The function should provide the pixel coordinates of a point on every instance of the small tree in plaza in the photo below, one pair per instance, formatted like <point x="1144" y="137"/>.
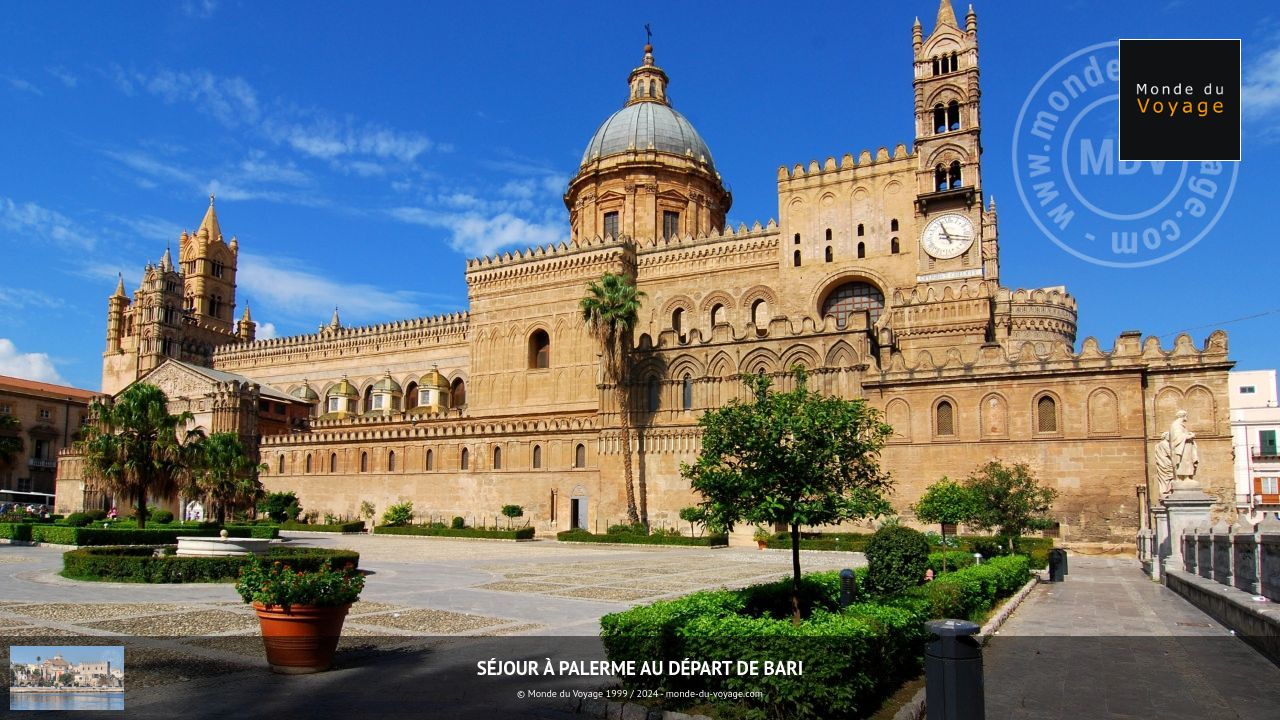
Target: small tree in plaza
<point x="280" y="506"/>
<point x="946" y="502"/>
<point x="227" y="474"/>
<point x="694" y="516"/>
<point x="511" y="512"/>
<point x="1009" y="499"/>
<point x="136" y="448"/>
<point x="795" y="458"/>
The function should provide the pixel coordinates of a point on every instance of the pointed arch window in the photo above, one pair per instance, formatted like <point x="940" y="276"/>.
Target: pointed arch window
<point x="429" y="460"/>
<point x="537" y="457"/>
<point x="539" y="350"/>
<point x="411" y="396"/>
<point x="497" y="458"/>
<point x="797" y="239"/>
<point x="464" y="462"/>
<point x="944" y="419"/>
<point x="862" y="250"/>
<point x="760" y="313"/>
<point x="939" y="119"/>
<point x="953" y="115"/>
<point x="1046" y="414"/>
<point x="953" y="175"/>
<point x="458" y="393"/>
<point x="654" y="393"/>
<point x="280" y="466"/>
<point x="940" y="178"/>
<point x="686" y="392"/>
<point x="894" y="247"/>
<point x="368" y="399"/>
<point x="829" y="255"/>
<point x="391" y="461"/>
<point x="333" y="462"/>
<point x="580" y="456"/>
<point x="893" y="225"/>
<point x="828" y="234"/>
<point x="364" y="462"/>
<point x="308" y="462"/>
<point x="677" y="320"/>
<point x="795" y="259"/>
<point x="861" y="230"/>
<point x="936" y="66"/>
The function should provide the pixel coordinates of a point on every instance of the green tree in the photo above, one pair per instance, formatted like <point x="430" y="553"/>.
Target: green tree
<point x="136" y="447"/>
<point x="10" y="440"/>
<point x="1009" y="499"/>
<point x="227" y="474"/>
<point x="511" y="512"/>
<point x="796" y="458"/>
<point x="694" y="516"/>
<point x="281" y="506"/>
<point x="946" y="502"/>
<point x="611" y="310"/>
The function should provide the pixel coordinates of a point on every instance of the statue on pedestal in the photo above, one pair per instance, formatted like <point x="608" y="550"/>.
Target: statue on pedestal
<point x="1164" y="466"/>
<point x="1182" y="448"/>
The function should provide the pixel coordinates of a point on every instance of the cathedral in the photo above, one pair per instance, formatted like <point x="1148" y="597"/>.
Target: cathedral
<point x="881" y="276"/>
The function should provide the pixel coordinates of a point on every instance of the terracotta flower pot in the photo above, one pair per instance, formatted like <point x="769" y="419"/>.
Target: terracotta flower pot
<point x="302" y="640"/>
<point x="763" y="544"/>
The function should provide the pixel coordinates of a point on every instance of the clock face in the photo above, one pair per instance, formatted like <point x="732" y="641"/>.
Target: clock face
<point x="947" y="236"/>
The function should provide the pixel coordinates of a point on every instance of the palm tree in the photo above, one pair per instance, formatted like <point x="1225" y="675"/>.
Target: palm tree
<point x="133" y="446"/>
<point x="10" y="440"/>
<point x="611" y="310"/>
<point x="227" y="474"/>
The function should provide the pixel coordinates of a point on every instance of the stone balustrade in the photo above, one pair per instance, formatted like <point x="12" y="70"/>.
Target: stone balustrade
<point x="1244" y="556"/>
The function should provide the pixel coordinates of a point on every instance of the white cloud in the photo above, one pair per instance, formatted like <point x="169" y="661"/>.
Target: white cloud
<point x="285" y="285"/>
<point x="202" y="9"/>
<point x="13" y="299"/>
<point x="475" y="234"/>
<point x="27" y="221"/>
<point x="328" y="139"/>
<point x="25" y="86"/>
<point x="30" y="366"/>
<point x="1260" y="94"/>
<point x="63" y="75"/>
<point x="250" y="179"/>
<point x="149" y="227"/>
<point x="266" y="331"/>
<point x="231" y="100"/>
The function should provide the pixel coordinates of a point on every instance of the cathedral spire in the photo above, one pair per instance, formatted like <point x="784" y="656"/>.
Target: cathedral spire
<point x="209" y="225"/>
<point x="648" y="82"/>
<point x="119" y="286"/>
<point x="946" y="16"/>
<point x="166" y="261"/>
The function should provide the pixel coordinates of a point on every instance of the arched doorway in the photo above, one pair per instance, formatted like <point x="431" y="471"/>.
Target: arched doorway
<point x="578" y="509"/>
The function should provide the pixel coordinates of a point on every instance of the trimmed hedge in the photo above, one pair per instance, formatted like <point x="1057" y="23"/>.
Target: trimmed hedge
<point x="847" y="542"/>
<point x="524" y="533"/>
<point x="970" y="592"/>
<point x="1035" y="548"/>
<point x="354" y="526"/>
<point x="637" y="539"/>
<point x="956" y="559"/>
<point x="16" y="531"/>
<point x="83" y="536"/>
<point x="853" y="657"/>
<point x="141" y="564"/>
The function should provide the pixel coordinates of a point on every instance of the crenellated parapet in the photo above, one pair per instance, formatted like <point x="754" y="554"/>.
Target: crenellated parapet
<point x="437" y="426"/>
<point x="1040" y="315"/>
<point x="518" y="268"/>
<point x="448" y="328"/>
<point x="728" y="248"/>
<point x="847" y="169"/>
<point x="993" y="360"/>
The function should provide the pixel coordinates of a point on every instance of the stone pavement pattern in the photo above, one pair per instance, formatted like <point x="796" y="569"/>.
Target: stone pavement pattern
<point x="430" y="605"/>
<point x="1109" y="643"/>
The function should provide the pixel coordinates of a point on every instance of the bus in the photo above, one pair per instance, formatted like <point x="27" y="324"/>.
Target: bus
<point x="43" y="502"/>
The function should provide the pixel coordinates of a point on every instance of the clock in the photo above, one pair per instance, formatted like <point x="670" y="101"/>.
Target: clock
<point x="947" y="236"/>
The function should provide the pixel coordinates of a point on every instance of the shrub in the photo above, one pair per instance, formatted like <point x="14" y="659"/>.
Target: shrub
<point x="968" y="593"/>
<point x="956" y="559"/>
<point x="95" y="515"/>
<point x="629" y="529"/>
<point x="513" y="511"/>
<point x="280" y="506"/>
<point x="846" y="542"/>
<point x="438" y="530"/>
<point x="398" y="514"/>
<point x="142" y="564"/>
<point x="164" y="517"/>
<point x="77" y="519"/>
<point x="458" y="523"/>
<point x="635" y="539"/>
<point x="665" y="532"/>
<point x="897" y="557"/>
<point x="63" y="535"/>
<point x="16" y="531"/>
<point x="353" y="526"/>
<point x="278" y="583"/>
<point x="989" y="547"/>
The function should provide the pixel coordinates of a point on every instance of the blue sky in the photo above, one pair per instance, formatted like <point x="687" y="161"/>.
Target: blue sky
<point x="361" y="156"/>
<point x="73" y="654"/>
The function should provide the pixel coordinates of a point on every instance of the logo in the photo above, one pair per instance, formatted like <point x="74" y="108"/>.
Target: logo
<point x="1082" y="196"/>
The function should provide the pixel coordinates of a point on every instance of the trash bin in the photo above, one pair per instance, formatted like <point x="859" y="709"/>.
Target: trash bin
<point x="1057" y="565"/>
<point x="953" y="671"/>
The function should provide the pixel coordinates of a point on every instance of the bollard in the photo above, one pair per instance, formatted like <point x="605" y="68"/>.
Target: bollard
<point x="848" y="587"/>
<point x="1057" y="565"/>
<point x="953" y="671"/>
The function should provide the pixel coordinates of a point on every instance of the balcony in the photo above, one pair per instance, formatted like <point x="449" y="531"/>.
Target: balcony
<point x="1266" y="454"/>
<point x="42" y="464"/>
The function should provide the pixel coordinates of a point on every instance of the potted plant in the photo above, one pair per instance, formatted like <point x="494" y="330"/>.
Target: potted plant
<point x="762" y="537"/>
<point x="300" y="612"/>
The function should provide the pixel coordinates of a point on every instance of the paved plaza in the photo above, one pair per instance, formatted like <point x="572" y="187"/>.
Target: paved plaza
<point x="1105" y="644"/>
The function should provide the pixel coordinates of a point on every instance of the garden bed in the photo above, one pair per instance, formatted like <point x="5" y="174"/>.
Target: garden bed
<point x="524" y="533"/>
<point x="161" y="535"/>
<point x="638" y="539"/>
<point x="854" y="657"/>
<point x="355" y="526"/>
<point x="142" y="565"/>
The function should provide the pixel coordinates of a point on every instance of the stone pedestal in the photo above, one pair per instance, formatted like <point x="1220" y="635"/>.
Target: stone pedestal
<point x="1186" y="507"/>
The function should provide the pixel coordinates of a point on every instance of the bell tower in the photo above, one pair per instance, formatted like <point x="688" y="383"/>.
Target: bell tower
<point x="949" y="148"/>
<point x="209" y="273"/>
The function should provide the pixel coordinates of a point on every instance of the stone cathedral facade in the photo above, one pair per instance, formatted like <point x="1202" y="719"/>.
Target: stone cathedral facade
<point x="881" y="276"/>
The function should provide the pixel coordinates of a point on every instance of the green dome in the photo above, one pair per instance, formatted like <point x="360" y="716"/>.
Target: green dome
<point x="344" y="389"/>
<point x="306" y="393"/>
<point x="386" y="384"/>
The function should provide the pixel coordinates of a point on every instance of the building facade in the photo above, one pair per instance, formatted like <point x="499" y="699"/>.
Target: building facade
<point x="881" y="276"/>
<point x="45" y="420"/>
<point x="1255" y="425"/>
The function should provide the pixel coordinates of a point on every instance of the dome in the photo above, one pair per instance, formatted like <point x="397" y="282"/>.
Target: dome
<point x="387" y="385"/>
<point x="644" y="126"/>
<point x="434" y="379"/>
<point x="306" y="393"/>
<point x="344" y="389"/>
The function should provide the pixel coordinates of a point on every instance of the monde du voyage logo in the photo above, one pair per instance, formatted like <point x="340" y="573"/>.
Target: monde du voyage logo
<point x="1124" y="152"/>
